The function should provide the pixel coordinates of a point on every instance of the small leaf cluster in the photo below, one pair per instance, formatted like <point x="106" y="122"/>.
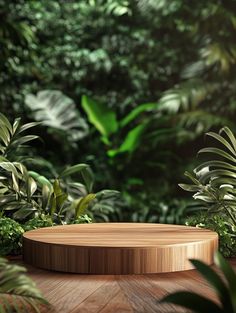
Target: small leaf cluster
<point x="10" y="236"/>
<point x="35" y="200"/>
<point x="219" y="224"/>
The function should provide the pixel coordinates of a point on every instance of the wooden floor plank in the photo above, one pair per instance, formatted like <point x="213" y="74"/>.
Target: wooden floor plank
<point x="104" y="297"/>
<point x="73" y="293"/>
<point x="118" y="304"/>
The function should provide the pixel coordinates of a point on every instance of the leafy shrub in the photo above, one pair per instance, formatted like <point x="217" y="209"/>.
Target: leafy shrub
<point x="25" y="194"/>
<point x="82" y="219"/>
<point x="38" y="222"/>
<point x="219" y="224"/>
<point x="10" y="236"/>
<point x="214" y="183"/>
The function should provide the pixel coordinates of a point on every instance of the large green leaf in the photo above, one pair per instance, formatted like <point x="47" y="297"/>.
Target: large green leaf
<point x="194" y="302"/>
<point x="136" y="112"/>
<point x="216" y="282"/>
<point x="103" y="118"/>
<point x="82" y="204"/>
<point x="230" y="276"/>
<point x="73" y="169"/>
<point x="131" y="141"/>
<point x="54" y="109"/>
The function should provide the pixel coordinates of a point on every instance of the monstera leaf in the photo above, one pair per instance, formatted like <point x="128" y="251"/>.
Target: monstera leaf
<point x="55" y="110"/>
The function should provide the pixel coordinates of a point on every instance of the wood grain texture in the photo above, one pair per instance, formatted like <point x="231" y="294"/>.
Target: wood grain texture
<point x="118" y="248"/>
<point x="74" y="293"/>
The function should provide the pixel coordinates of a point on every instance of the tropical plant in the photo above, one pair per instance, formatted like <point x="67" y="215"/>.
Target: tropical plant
<point x="57" y="111"/>
<point x="25" y="194"/>
<point x="213" y="184"/>
<point x="214" y="181"/>
<point x="10" y="236"/>
<point x="225" y="289"/>
<point x="11" y="138"/>
<point x="105" y="121"/>
<point x="18" y="293"/>
<point x="195" y="100"/>
<point x="219" y="224"/>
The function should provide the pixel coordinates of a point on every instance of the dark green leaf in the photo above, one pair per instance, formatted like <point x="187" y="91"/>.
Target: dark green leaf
<point x="193" y="302"/>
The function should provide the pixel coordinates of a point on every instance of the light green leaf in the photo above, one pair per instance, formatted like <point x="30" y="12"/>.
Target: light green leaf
<point x="131" y="141"/>
<point x="192" y="188"/>
<point x="4" y="121"/>
<point x="136" y="112"/>
<point x="83" y="204"/>
<point x="223" y="141"/>
<point x="218" y="152"/>
<point x="230" y="135"/>
<point x="103" y="118"/>
<point x="73" y="169"/>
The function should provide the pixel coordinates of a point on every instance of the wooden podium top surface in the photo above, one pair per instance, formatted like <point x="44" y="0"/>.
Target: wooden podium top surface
<point x="118" y="235"/>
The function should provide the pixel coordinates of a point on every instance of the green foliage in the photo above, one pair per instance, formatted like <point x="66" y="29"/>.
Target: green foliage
<point x="103" y="118"/>
<point x="18" y="293"/>
<point x="82" y="219"/>
<point x="57" y="111"/>
<point x="219" y="224"/>
<point x="214" y="181"/>
<point x="105" y="121"/>
<point x="27" y="194"/>
<point x="123" y="54"/>
<point x="224" y="288"/>
<point x="10" y="237"/>
<point x="11" y="138"/>
<point x="38" y="222"/>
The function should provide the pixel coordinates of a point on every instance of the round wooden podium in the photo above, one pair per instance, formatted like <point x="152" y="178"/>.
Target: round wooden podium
<point x="118" y="248"/>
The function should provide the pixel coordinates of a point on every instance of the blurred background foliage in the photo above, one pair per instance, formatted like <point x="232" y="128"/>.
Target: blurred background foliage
<point x="126" y="86"/>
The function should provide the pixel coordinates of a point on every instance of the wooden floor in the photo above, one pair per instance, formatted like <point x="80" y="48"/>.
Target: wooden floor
<point x="72" y="293"/>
